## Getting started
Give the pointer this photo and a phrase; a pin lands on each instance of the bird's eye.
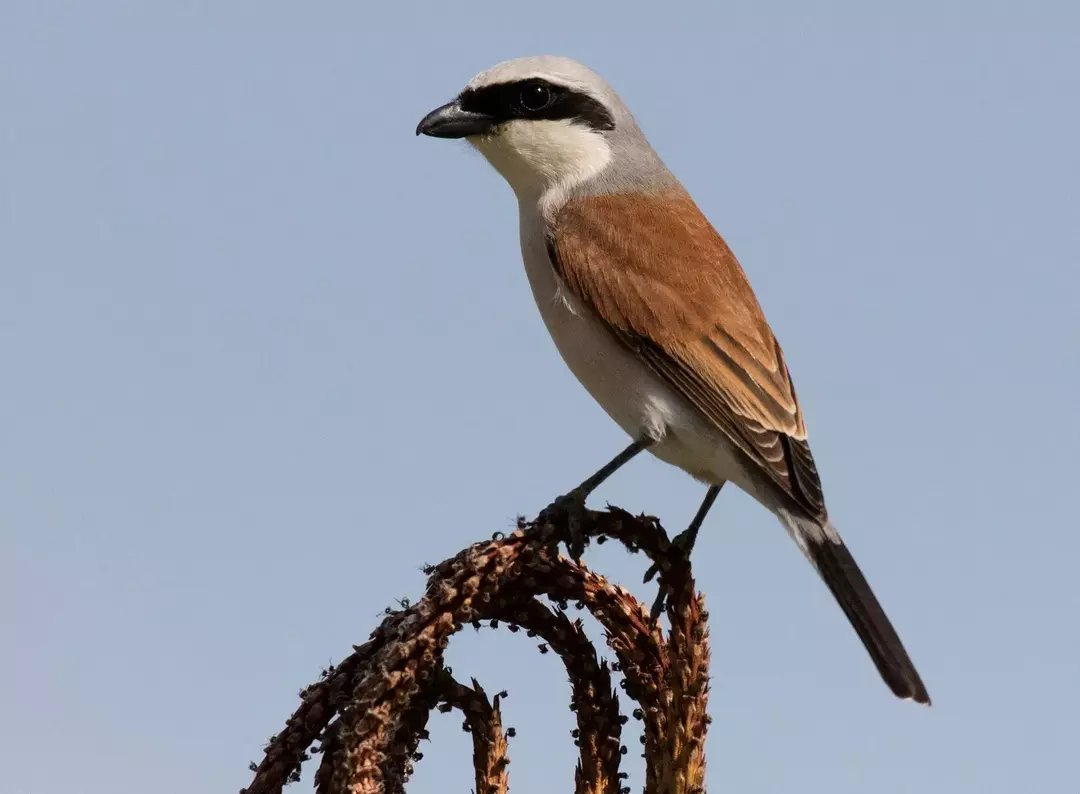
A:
(535, 96)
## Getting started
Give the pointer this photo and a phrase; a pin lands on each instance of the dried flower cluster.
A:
(367, 715)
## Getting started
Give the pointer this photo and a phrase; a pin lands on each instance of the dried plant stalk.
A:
(681, 758)
(371, 710)
(484, 721)
(593, 699)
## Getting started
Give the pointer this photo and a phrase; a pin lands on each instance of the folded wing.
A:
(667, 285)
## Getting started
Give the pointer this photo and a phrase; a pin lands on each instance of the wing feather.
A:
(663, 280)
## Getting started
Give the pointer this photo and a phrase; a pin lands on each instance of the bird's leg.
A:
(572, 505)
(684, 543)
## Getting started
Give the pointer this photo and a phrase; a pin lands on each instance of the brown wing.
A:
(665, 282)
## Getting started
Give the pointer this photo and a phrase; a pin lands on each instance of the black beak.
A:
(451, 121)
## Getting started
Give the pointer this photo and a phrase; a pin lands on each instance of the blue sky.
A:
(265, 353)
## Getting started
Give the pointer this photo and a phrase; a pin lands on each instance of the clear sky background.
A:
(264, 353)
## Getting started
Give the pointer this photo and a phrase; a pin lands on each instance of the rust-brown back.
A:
(658, 274)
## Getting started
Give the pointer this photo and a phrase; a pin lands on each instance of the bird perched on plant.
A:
(652, 312)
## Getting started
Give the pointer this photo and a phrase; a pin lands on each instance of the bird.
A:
(652, 312)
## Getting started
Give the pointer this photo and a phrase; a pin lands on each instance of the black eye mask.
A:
(536, 99)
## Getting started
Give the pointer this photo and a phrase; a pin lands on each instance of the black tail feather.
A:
(851, 590)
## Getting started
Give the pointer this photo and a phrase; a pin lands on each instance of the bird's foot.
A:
(681, 546)
(570, 508)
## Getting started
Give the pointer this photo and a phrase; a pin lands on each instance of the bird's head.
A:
(542, 122)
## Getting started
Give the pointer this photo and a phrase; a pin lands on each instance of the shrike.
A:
(651, 311)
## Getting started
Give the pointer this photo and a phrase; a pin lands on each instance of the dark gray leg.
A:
(613, 466)
(572, 505)
(684, 541)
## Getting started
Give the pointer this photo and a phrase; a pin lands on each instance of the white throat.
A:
(542, 160)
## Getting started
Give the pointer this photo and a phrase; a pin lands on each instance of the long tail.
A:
(824, 548)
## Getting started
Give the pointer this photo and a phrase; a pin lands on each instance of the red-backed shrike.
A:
(651, 311)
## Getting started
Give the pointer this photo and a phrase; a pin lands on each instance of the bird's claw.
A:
(649, 574)
(658, 605)
(681, 545)
(571, 507)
